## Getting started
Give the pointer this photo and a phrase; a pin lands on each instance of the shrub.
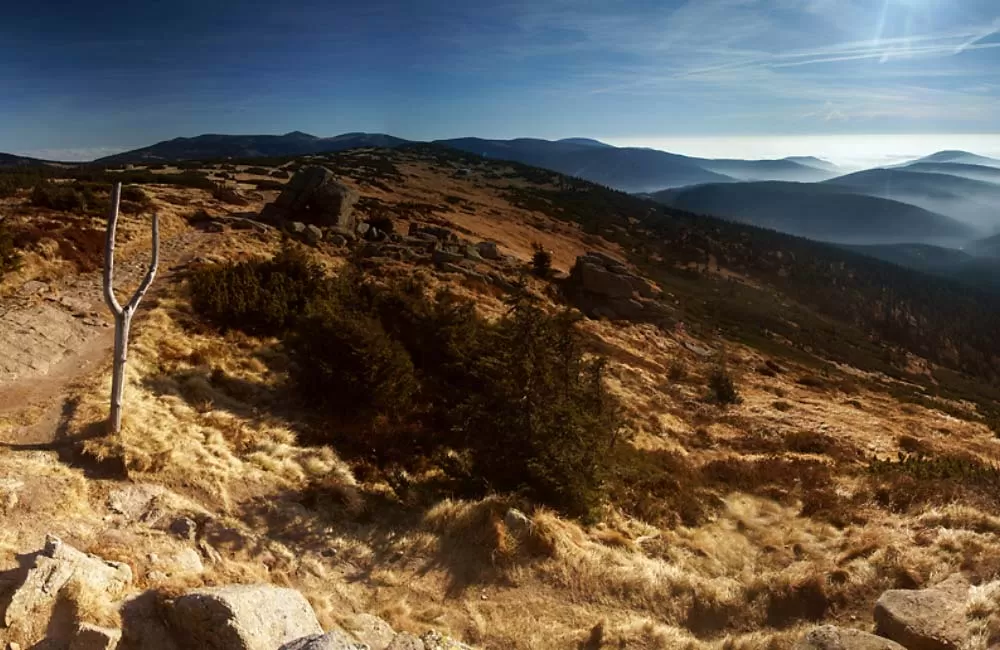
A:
(59, 197)
(541, 262)
(518, 401)
(259, 171)
(350, 367)
(280, 173)
(134, 194)
(537, 416)
(260, 297)
(10, 259)
(721, 387)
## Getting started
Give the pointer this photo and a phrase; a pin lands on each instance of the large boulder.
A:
(314, 196)
(831, 637)
(924, 619)
(406, 641)
(597, 279)
(57, 566)
(242, 617)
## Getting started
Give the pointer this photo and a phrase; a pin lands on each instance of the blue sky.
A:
(86, 78)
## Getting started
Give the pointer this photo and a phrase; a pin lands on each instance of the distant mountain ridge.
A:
(961, 157)
(820, 211)
(629, 169)
(971, 201)
(975, 172)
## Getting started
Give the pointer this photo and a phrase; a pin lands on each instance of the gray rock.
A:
(600, 259)
(370, 630)
(488, 250)
(93, 637)
(337, 240)
(242, 617)
(517, 522)
(441, 256)
(297, 228)
(830, 637)
(134, 501)
(471, 252)
(596, 279)
(363, 229)
(404, 641)
(438, 232)
(184, 527)
(313, 234)
(333, 640)
(33, 288)
(57, 566)
(313, 195)
(924, 619)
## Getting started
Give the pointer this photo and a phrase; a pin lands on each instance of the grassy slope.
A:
(727, 527)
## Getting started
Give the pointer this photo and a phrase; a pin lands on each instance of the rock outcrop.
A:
(831, 637)
(55, 568)
(602, 287)
(924, 619)
(241, 617)
(335, 640)
(314, 196)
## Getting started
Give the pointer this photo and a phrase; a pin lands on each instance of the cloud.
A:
(84, 154)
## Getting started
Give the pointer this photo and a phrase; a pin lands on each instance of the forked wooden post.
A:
(123, 315)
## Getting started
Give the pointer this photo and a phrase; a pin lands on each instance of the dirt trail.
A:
(53, 334)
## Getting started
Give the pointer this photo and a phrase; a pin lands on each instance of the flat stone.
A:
(830, 637)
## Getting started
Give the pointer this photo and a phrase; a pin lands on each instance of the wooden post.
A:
(123, 315)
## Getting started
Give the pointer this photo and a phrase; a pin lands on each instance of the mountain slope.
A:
(8, 159)
(974, 202)
(980, 272)
(963, 157)
(819, 211)
(988, 247)
(975, 172)
(627, 169)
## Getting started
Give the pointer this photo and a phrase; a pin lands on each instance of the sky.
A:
(852, 80)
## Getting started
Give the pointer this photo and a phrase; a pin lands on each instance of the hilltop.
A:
(802, 427)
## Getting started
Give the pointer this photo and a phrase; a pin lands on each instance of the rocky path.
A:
(53, 334)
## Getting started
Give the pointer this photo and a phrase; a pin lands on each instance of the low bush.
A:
(262, 297)
(541, 262)
(65, 198)
(228, 194)
(722, 389)
(514, 404)
(259, 171)
(266, 185)
(280, 173)
(10, 259)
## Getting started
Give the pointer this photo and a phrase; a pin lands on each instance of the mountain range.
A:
(949, 198)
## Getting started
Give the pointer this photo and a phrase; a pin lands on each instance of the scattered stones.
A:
(93, 637)
(33, 288)
(831, 637)
(313, 195)
(441, 256)
(370, 630)
(438, 641)
(242, 617)
(601, 287)
(924, 619)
